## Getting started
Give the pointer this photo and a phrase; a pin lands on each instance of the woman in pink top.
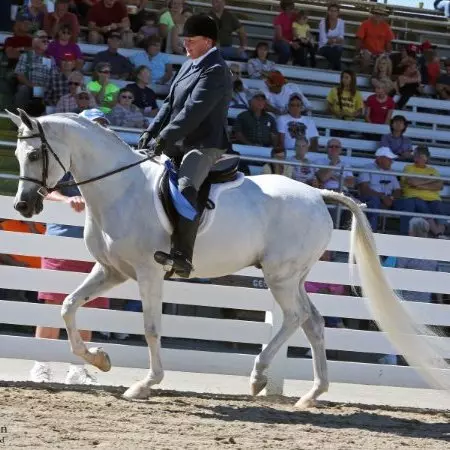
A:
(63, 44)
(283, 38)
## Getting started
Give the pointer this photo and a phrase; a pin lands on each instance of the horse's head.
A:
(40, 167)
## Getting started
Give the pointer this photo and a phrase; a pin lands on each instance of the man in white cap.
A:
(379, 190)
(95, 115)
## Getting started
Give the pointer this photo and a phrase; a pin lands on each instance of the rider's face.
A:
(196, 46)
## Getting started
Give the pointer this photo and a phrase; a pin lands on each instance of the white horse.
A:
(269, 221)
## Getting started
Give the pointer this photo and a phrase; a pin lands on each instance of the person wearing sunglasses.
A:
(125, 114)
(63, 44)
(55, 21)
(70, 101)
(33, 71)
(104, 92)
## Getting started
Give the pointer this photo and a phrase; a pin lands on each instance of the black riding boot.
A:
(183, 239)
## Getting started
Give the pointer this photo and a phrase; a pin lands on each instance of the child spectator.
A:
(396, 141)
(409, 83)
(304, 173)
(382, 72)
(260, 65)
(157, 62)
(304, 41)
(104, 92)
(345, 101)
(125, 114)
(63, 44)
(379, 106)
(276, 168)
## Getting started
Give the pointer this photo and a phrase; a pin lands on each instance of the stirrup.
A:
(175, 263)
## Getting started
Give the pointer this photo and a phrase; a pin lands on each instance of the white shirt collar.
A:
(197, 61)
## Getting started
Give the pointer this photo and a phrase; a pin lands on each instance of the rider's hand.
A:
(144, 140)
(76, 203)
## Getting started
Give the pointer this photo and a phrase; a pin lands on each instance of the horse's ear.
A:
(14, 117)
(26, 119)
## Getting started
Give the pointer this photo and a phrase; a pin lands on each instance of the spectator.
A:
(177, 44)
(63, 45)
(430, 67)
(278, 92)
(106, 16)
(82, 7)
(125, 114)
(61, 16)
(421, 194)
(260, 65)
(70, 101)
(276, 168)
(345, 101)
(331, 37)
(104, 92)
(396, 141)
(442, 5)
(418, 227)
(121, 67)
(304, 39)
(84, 101)
(137, 14)
(149, 29)
(96, 116)
(240, 91)
(33, 71)
(374, 37)
(379, 106)
(283, 38)
(291, 125)
(314, 287)
(168, 19)
(16, 44)
(304, 173)
(443, 83)
(227, 23)
(157, 62)
(379, 190)
(382, 72)
(256, 126)
(330, 178)
(58, 82)
(400, 60)
(144, 97)
(409, 83)
(33, 13)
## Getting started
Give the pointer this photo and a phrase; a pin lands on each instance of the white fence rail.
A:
(209, 329)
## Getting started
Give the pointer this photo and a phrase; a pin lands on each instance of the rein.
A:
(46, 149)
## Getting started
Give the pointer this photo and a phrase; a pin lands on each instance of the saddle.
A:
(223, 171)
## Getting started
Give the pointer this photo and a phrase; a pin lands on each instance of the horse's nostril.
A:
(21, 206)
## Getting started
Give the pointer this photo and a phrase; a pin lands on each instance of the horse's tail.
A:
(408, 337)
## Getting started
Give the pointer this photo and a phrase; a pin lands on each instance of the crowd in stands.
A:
(49, 73)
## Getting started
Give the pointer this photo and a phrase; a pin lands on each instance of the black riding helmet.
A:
(201, 25)
(397, 118)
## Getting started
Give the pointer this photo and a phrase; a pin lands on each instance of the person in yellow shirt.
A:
(421, 195)
(345, 101)
(303, 41)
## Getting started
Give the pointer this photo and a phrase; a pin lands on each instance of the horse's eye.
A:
(33, 156)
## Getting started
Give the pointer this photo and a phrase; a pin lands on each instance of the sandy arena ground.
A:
(58, 416)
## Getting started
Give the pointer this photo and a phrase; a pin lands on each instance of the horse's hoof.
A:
(305, 403)
(137, 391)
(257, 386)
(101, 359)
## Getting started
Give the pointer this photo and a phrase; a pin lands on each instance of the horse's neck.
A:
(94, 155)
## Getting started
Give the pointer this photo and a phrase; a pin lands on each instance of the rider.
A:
(192, 126)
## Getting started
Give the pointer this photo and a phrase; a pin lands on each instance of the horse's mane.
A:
(106, 133)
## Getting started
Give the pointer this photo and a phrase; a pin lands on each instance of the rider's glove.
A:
(144, 140)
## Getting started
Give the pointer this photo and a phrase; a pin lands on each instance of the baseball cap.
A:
(256, 93)
(94, 114)
(275, 77)
(387, 152)
(427, 45)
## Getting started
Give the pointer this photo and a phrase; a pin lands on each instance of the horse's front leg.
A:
(98, 281)
(150, 288)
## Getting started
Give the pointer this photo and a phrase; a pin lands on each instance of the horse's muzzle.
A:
(30, 206)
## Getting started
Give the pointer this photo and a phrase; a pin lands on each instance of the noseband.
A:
(46, 149)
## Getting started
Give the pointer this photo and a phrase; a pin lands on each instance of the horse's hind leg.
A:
(313, 327)
(98, 281)
(285, 291)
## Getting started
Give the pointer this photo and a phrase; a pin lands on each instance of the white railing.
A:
(19, 313)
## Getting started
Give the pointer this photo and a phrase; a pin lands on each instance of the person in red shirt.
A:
(283, 39)
(19, 42)
(106, 16)
(374, 37)
(61, 16)
(379, 106)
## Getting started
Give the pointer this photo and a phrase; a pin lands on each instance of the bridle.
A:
(46, 150)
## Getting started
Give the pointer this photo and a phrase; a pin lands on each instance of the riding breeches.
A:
(196, 165)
